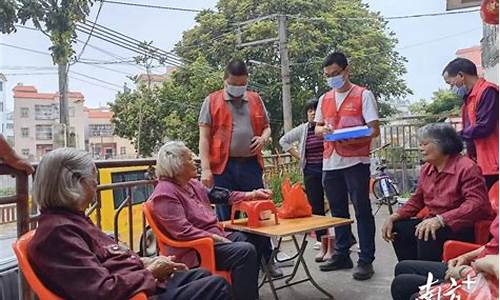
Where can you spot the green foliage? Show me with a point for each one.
(321, 28)
(56, 19)
(169, 112)
(275, 183)
(443, 103)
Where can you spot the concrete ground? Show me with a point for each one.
(340, 283)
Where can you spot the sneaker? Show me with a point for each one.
(337, 262)
(363, 271)
(317, 246)
(275, 271)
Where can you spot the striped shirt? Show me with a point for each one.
(314, 148)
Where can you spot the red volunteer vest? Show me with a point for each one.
(222, 127)
(350, 114)
(486, 148)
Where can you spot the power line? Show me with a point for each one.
(114, 33)
(154, 6)
(299, 17)
(44, 53)
(95, 84)
(319, 60)
(29, 74)
(97, 79)
(118, 41)
(25, 49)
(90, 35)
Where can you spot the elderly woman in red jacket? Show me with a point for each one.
(452, 187)
(76, 260)
(182, 209)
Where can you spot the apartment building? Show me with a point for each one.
(102, 143)
(36, 121)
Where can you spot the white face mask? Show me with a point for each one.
(236, 91)
(335, 82)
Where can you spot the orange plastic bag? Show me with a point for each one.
(286, 186)
(295, 203)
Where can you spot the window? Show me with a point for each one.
(100, 130)
(24, 112)
(123, 150)
(1, 86)
(25, 152)
(10, 126)
(1, 106)
(25, 132)
(139, 193)
(44, 112)
(44, 132)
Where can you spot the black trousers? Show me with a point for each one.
(196, 284)
(410, 274)
(409, 247)
(340, 186)
(316, 196)
(242, 259)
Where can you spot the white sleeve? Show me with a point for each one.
(318, 118)
(370, 107)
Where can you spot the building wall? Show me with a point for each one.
(98, 145)
(34, 148)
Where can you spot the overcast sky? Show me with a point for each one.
(428, 43)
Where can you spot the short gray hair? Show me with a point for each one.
(57, 180)
(169, 162)
(444, 136)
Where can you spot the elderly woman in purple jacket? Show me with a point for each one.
(75, 260)
(182, 209)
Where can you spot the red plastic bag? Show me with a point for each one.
(485, 288)
(295, 203)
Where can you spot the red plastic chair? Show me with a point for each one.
(482, 228)
(21, 249)
(452, 249)
(204, 246)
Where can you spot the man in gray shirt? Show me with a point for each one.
(234, 128)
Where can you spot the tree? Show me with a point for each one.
(316, 28)
(57, 20)
(443, 104)
(168, 112)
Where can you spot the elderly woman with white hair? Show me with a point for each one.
(451, 187)
(181, 206)
(75, 260)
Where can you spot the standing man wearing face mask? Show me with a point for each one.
(479, 115)
(346, 164)
(234, 128)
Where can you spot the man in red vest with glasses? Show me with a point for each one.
(346, 164)
(479, 115)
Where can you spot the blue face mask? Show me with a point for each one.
(459, 91)
(335, 82)
(236, 91)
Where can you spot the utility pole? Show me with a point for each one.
(285, 73)
(285, 61)
(63, 101)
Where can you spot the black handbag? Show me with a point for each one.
(219, 195)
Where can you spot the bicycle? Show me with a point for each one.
(383, 186)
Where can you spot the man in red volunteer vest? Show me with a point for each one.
(234, 127)
(346, 164)
(479, 115)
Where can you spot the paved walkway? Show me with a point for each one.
(340, 283)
